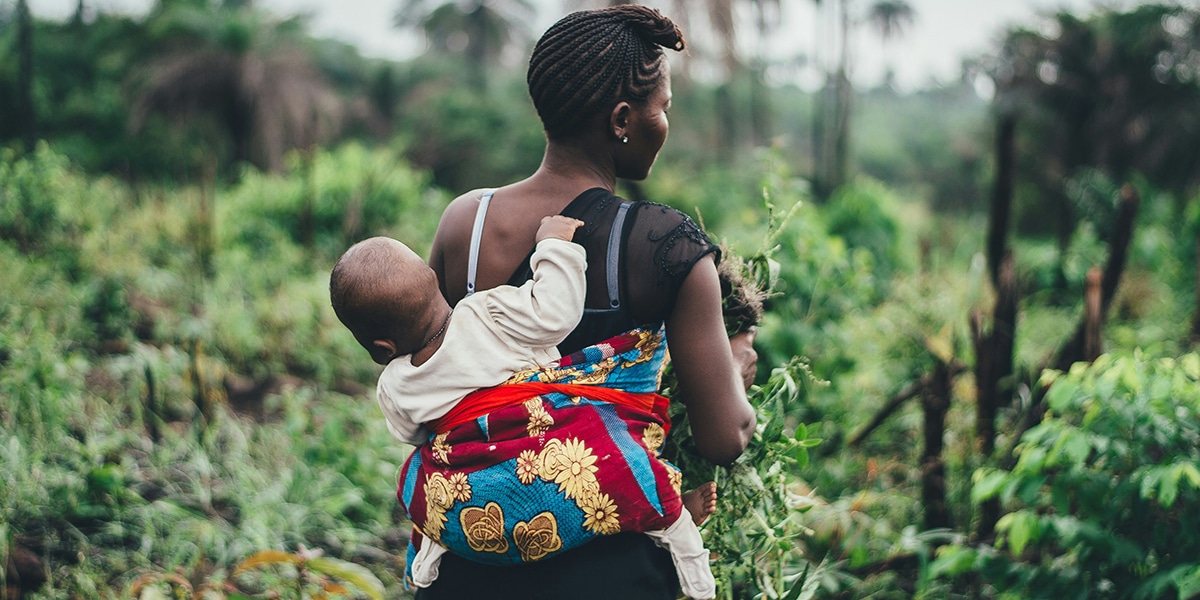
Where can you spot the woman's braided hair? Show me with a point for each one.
(591, 59)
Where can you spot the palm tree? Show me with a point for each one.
(722, 20)
(245, 73)
(77, 18)
(831, 111)
(481, 30)
(890, 18)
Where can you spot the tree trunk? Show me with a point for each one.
(26, 111)
(1092, 316)
(726, 122)
(1072, 350)
(1118, 248)
(841, 134)
(936, 402)
(920, 386)
(841, 141)
(818, 111)
(1002, 191)
(760, 106)
(993, 377)
(820, 154)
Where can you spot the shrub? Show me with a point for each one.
(866, 215)
(32, 188)
(330, 199)
(1103, 493)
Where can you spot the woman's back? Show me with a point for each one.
(639, 254)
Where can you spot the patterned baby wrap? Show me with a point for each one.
(523, 475)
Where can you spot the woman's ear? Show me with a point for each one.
(618, 120)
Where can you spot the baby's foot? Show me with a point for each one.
(701, 502)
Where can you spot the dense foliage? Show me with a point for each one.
(183, 416)
(1101, 491)
(117, 349)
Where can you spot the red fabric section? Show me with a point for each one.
(485, 401)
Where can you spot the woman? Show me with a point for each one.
(601, 86)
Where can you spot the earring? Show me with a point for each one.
(625, 139)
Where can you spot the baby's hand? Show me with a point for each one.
(557, 226)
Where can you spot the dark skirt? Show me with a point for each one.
(625, 566)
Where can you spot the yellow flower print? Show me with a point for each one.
(440, 495)
(460, 488)
(435, 522)
(441, 450)
(548, 463)
(600, 514)
(674, 477)
(539, 420)
(572, 466)
(646, 345)
(538, 537)
(439, 492)
(598, 375)
(484, 528)
(522, 376)
(653, 436)
(527, 466)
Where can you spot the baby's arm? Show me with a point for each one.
(399, 424)
(545, 309)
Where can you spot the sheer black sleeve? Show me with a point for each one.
(661, 246)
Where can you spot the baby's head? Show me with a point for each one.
(386, 296)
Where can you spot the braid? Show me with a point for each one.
(591, 59)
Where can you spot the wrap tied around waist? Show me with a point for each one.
(484, 401)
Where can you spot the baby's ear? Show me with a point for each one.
(383, 351)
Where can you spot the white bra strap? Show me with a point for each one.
(476, 234)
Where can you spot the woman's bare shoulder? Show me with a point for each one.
(454, 228)
(447, 256)
(461, 210)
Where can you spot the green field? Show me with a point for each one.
(182, 415)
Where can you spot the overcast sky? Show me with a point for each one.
(929, 51)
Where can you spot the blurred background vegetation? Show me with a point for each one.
(985, 307)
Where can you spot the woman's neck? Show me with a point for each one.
(577, 166)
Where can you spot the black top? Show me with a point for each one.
(657, 247)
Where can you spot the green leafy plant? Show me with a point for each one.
(1101, 498)
(756, 530)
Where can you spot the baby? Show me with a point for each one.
(435, 355)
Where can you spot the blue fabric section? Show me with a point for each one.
(409, 557)
(639, 378)
(520, 502)
(634, 453)
(410, 478)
